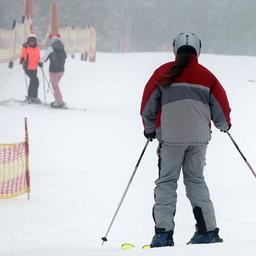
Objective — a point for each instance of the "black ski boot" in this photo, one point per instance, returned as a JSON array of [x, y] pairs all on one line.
[[162, 238], [55, 105], [33, 100], [206, 237]]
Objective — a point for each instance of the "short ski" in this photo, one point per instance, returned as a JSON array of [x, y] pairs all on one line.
[[66, 108], [128, 246], [21, 102], [6, 102]]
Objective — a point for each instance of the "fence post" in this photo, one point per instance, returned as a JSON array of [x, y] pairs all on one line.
[[27, 158], [11, 63]]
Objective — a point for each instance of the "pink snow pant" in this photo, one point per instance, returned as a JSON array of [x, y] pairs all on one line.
[[55, 79]]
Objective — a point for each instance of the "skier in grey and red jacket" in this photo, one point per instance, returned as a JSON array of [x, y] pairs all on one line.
[[179, 102]]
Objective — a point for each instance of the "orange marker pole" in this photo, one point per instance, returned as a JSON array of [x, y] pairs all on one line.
[[54, 20]]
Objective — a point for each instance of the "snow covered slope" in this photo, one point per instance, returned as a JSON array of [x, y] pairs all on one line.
[[81, 162]]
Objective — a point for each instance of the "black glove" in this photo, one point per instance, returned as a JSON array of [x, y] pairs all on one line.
[[227, 129], [150, 135], [40, 64], [21, 60]]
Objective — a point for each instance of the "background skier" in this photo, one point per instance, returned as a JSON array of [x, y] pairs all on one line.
[[30, 56], [57, 56], [179, 102]]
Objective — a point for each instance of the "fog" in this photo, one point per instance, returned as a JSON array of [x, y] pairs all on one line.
[[225, 26]]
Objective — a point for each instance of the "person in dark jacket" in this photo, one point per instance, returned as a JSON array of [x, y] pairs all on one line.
[[29, 58], [57, 56], [179, 102]]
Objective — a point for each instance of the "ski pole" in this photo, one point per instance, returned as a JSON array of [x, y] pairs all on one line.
[[48, 82], [104, 239], [26, 82], [44, 85], [239, 150]]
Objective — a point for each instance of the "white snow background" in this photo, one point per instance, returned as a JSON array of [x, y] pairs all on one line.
[[80, 163]]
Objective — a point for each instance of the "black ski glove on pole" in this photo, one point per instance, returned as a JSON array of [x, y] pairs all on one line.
[[227, 129], [150, 135]]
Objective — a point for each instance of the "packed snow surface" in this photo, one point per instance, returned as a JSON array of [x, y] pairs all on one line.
[[81, 161]]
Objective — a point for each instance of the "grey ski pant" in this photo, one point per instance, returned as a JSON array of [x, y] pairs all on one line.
[[191, 159]]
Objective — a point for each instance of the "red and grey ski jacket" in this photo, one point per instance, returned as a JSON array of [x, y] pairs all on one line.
[[182, 112]]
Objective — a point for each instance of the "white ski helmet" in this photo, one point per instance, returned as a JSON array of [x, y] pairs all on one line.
[[190, 39], [32, 35]]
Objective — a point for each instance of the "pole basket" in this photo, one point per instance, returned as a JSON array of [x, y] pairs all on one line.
[[14, 168]]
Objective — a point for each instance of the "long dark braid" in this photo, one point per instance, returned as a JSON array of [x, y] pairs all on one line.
[[183, 58]]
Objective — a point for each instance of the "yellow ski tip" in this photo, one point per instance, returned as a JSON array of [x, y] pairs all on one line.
[[127, 246], [147, 246]]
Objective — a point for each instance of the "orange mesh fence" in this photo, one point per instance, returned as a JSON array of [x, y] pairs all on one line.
[[75, 39], [11, 41], [79, 40], [14, 173]]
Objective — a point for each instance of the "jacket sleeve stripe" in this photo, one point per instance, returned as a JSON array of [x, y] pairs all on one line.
[[150, 104], [219, 106]]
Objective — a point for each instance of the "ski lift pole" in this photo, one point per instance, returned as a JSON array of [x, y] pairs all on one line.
[[242, 155], [104, 239]]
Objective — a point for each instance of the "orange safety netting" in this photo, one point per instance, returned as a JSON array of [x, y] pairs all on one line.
[[79, 40], [14, 170], [11, 41], [75, 39]]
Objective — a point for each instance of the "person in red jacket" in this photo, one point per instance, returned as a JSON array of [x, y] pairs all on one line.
[[179, 102], [30, 57]]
